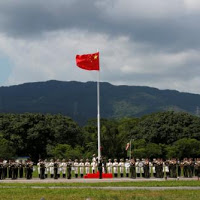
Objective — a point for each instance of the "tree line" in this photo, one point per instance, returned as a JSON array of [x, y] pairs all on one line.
[[165, 135]]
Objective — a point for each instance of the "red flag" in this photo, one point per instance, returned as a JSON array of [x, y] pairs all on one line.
[[88, 61]]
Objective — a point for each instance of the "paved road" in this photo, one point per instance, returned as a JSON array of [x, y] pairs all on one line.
[[79, 180]]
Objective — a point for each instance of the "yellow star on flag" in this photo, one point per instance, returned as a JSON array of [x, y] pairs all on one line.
[[95, 57]]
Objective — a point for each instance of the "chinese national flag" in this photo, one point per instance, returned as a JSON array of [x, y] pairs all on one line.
[[88, 61]]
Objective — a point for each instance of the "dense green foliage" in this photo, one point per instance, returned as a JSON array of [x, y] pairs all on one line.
[[78, 100], [165, 134]]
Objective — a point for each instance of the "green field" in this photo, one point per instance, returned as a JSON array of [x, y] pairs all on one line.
[[59, 194], [34, 191]]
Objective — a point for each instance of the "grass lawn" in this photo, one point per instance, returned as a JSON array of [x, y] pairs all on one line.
[[91, 194], [24, 191]]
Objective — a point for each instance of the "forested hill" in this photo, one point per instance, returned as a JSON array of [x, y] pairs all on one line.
[[78, 100]]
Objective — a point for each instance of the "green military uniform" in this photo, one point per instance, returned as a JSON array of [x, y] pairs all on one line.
[[55, 168], [132, 169], [173, 169], [146, 169], [185, 164], [42, 170], [197, 168], [69, 169], [29, 170]]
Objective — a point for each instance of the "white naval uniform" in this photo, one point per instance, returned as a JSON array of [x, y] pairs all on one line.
[[94, 166], [81, 167], [59, 168], [51, 168], [165, 168], [76, 167], [46, 168], [87, 167], [64, 167], [137, 168], [127, 167], [38, 167], [121, 167], [109, 167], [94, 159], [150, 167], [141, 164], [115, 167]]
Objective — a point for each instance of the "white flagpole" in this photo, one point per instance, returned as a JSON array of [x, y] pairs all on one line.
[[98, 115]]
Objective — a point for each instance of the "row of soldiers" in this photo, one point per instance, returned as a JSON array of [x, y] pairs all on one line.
[[14, 170], [170, 168], [131, 168]]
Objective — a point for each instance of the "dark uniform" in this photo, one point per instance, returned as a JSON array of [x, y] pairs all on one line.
[[197, 168], [9, 169], [55, 168], [173, 168], [21, 169], [69, 169], [191, 168], [179, 168], [159, 169], [4, 170], [13, 170], [1, 170], [146, 169], [132, 168], [100, 169], [42, 170], [185, 165], [29, 170], [104, 165]]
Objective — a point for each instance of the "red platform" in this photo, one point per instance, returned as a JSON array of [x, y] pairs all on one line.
[[96, 175]]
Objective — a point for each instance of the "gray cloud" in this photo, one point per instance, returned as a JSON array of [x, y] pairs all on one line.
[[167, 25], [154, 42]]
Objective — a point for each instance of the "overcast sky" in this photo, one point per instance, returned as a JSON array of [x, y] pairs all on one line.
[[141, 42]]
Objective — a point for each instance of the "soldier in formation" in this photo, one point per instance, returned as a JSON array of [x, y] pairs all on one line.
[[115, 168], [87, 166], [55, 169], [171, 168], [69, 168], [42, 169], [133, 168], [81, 167], [100, 168], [121, 167], [28, 169], [197, 168], [146, 167], [109, 166], [94, 164], [127, 167], [76, 165], [64, 168]]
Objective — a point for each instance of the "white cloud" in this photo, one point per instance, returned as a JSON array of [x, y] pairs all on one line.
[[122, 61], [154, 42], [192, 5]]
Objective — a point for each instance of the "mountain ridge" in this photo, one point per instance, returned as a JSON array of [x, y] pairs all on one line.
[[78, 100]]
